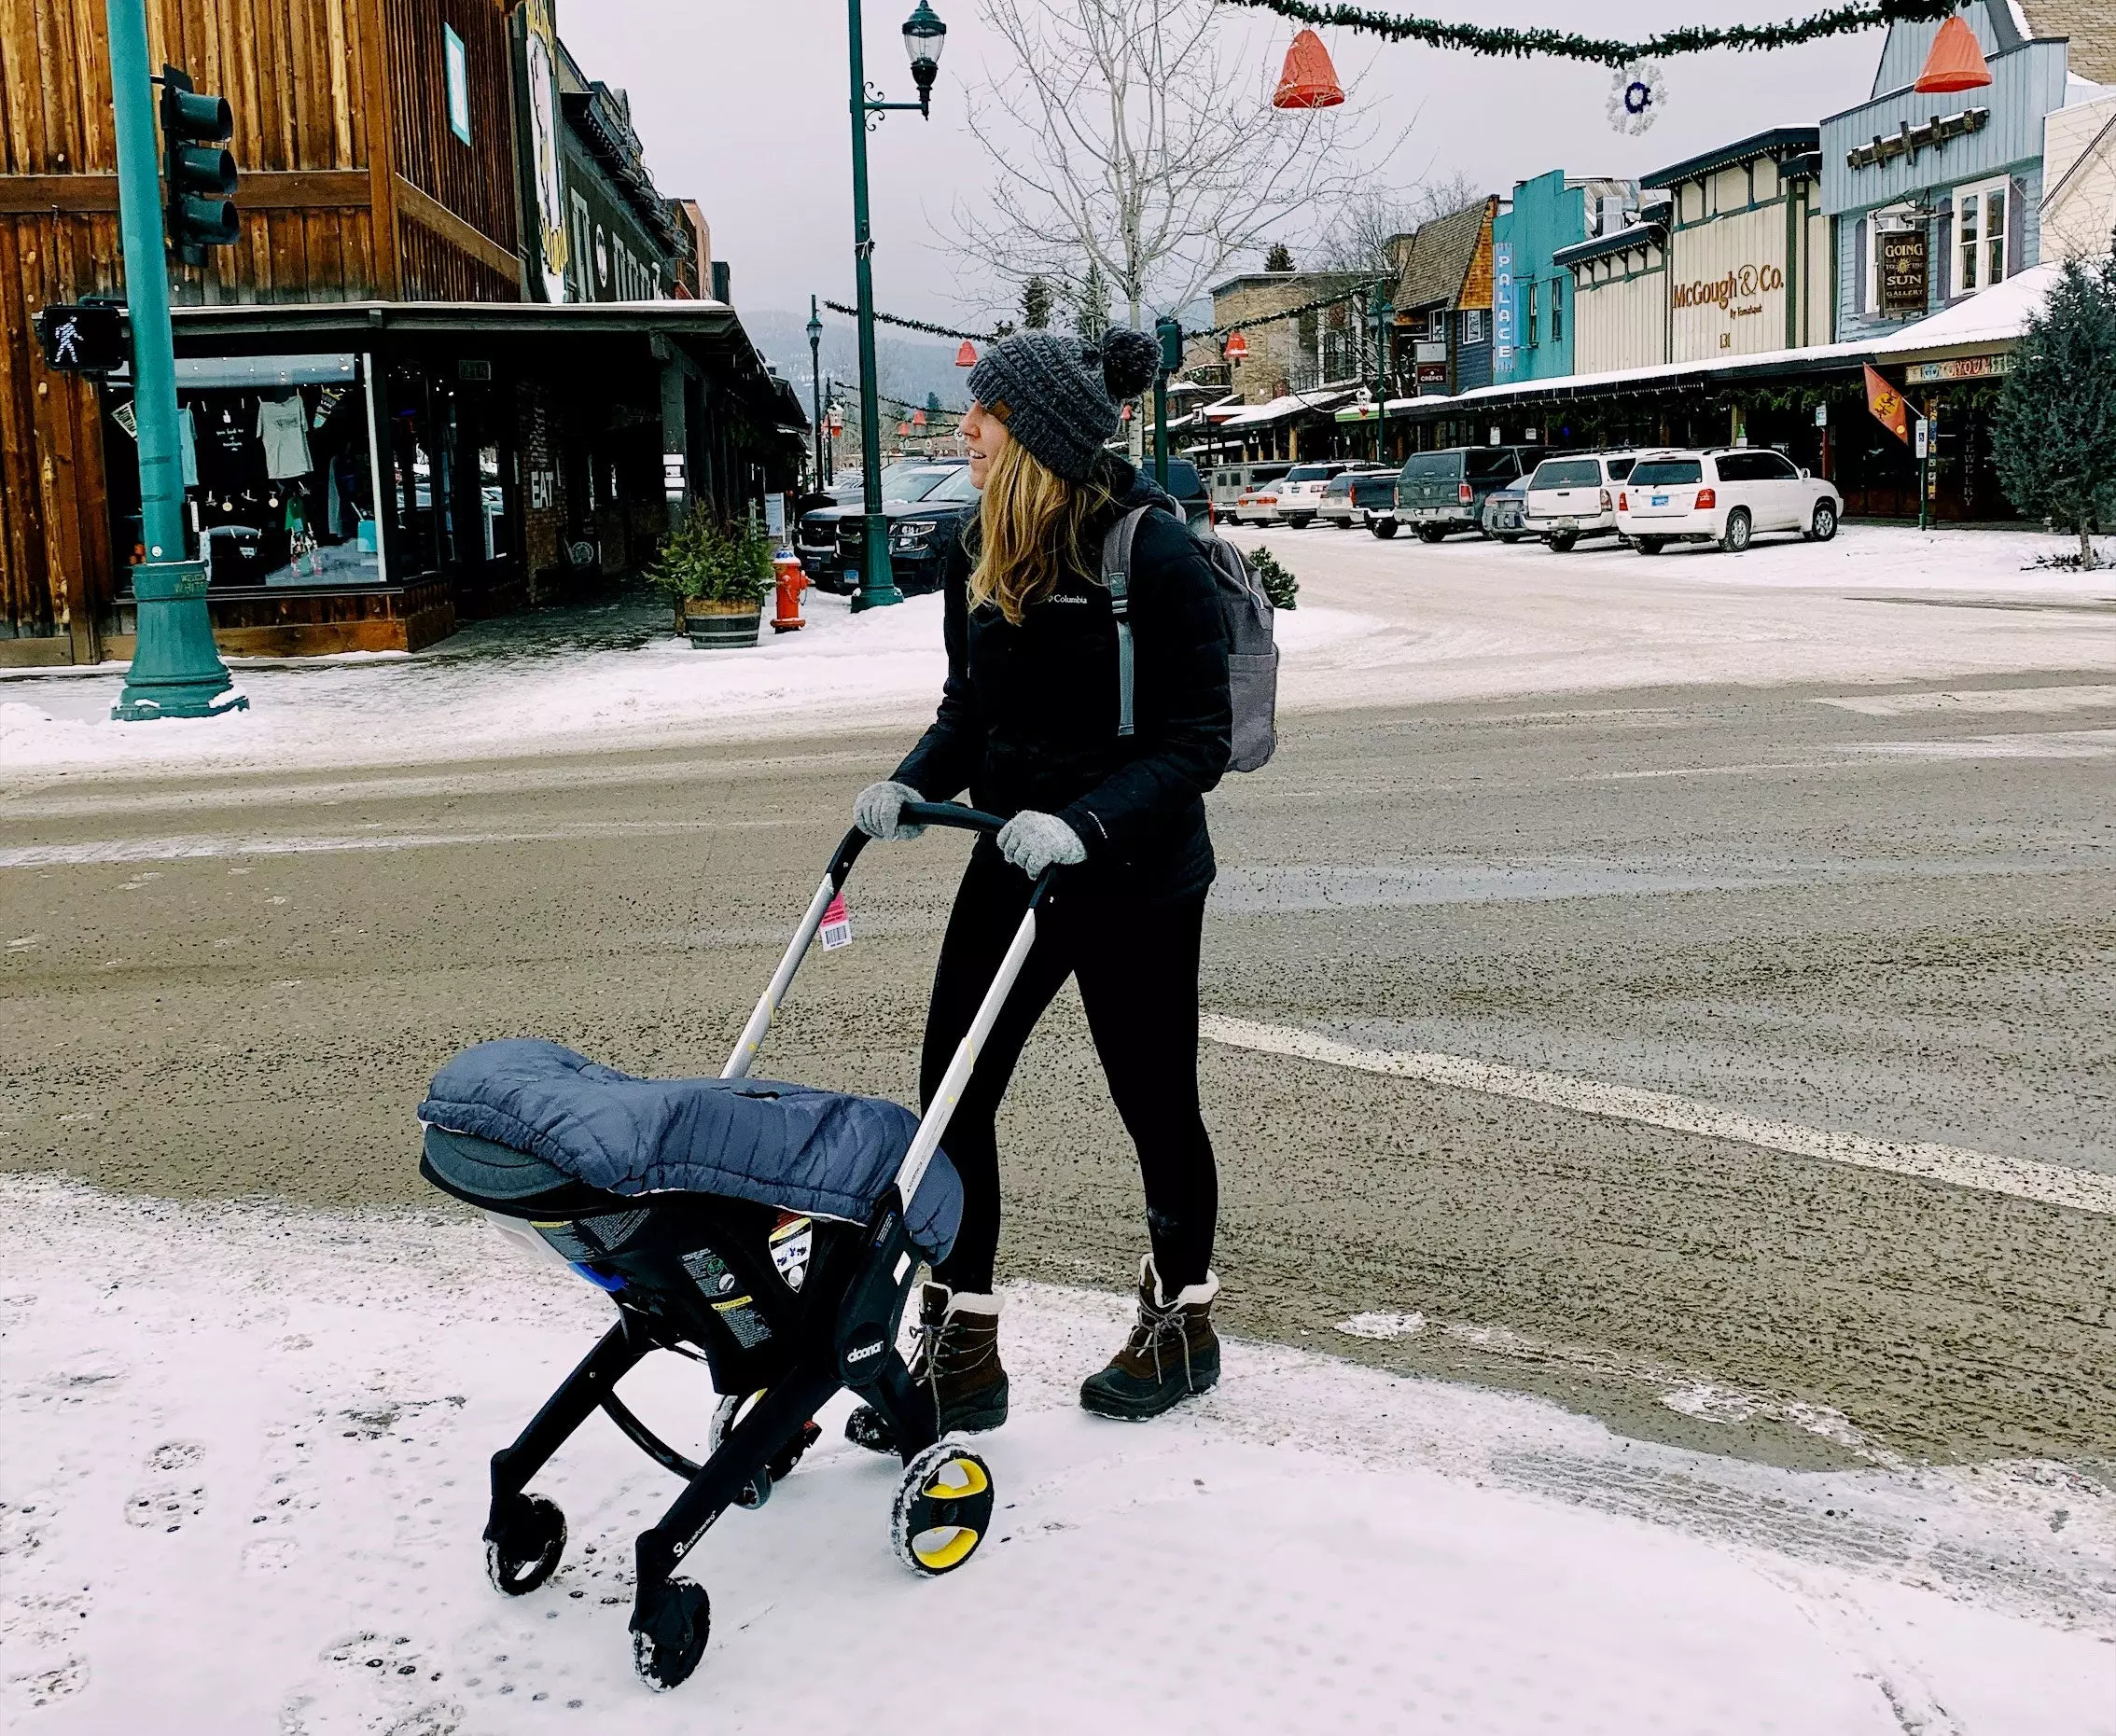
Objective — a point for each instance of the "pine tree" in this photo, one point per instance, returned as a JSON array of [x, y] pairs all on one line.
[[932, 405], [1038, 304], [1280, 258], [2054, 439], [1091, 303]]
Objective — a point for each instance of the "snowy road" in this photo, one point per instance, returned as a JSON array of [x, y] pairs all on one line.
[[1679, 990]]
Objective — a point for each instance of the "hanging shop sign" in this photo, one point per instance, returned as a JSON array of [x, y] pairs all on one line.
[[1958, 367], [1906, 270]]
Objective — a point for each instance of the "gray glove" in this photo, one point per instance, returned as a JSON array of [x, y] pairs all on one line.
[[1033, 841], [875, 809]]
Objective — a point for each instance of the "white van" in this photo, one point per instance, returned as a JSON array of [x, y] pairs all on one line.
[[1576, 497], [1230, 482]]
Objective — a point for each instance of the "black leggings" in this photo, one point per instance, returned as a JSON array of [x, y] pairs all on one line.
[[1137, 967]]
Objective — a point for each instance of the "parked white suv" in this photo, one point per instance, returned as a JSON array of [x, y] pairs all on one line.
[[1724, 497], [1576, 497], [1300, 490]]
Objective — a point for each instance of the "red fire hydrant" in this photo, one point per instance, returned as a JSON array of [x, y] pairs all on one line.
[[792, 582]]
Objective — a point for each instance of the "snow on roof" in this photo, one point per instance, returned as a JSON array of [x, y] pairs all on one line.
[[1253, 415], [1996, 315], [1633, 376]]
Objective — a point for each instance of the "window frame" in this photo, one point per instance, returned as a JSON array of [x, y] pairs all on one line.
[[455, 83], [1472, 324], [1977, 249], [1535, 314], [1557, 309]]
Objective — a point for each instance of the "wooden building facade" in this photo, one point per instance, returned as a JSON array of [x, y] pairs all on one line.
[[355, 488]]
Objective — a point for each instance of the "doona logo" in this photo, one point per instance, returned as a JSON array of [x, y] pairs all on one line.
[[1737, 286], [864, 1351]]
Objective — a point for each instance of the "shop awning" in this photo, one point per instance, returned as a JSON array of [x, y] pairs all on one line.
[[1983, 324], [1663, 376]]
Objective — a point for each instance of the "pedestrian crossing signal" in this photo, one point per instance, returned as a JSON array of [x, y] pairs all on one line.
[[196, 167], [87, 338]]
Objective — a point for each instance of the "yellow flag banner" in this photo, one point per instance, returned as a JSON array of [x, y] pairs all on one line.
[[1887, 406]]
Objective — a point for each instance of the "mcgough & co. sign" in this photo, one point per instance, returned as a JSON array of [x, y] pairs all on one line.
[[1741, 285]]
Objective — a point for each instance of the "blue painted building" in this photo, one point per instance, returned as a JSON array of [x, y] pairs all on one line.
[[1531, 293], [1937, 196]]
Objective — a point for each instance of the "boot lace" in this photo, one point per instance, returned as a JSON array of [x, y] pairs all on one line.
[[1156, 1324], [939, 1339]]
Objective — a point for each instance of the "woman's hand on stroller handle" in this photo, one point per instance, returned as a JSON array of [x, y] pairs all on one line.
[[879, 810]]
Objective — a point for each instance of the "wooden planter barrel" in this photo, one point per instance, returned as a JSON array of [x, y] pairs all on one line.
[[722, 626]]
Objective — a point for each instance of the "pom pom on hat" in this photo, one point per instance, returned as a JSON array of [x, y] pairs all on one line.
[[1129, 360]]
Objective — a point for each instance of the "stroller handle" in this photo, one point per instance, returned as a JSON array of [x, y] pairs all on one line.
[[948, 813], [913, 813]]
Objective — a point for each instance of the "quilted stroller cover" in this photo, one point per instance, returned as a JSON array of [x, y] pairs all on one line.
[[829, 1154]]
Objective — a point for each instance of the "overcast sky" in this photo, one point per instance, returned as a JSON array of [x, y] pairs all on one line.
[[743, 106]]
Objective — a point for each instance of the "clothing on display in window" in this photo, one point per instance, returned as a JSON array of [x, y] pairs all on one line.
[[284, 433], [230, 460]]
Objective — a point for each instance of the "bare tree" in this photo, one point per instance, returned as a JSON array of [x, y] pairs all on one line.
[[1362, 223], [1128, 139]]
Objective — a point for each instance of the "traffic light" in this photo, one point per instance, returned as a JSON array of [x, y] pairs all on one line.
[[198, 168]]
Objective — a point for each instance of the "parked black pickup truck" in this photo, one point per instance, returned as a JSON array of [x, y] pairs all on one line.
[[1440, 492], [920, 533]]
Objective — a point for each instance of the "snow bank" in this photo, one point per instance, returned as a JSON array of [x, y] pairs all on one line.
[[841, 670], [245, 1476]]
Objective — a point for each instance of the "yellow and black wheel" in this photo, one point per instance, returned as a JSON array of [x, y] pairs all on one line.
[[943, 1508]]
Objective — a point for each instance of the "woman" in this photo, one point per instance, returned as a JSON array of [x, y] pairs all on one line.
[[1028, 722]]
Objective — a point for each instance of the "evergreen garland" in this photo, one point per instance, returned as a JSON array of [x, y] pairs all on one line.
[[1565, 45], [918, 325]]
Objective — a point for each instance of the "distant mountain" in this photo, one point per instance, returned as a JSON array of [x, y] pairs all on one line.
[[910, 367]]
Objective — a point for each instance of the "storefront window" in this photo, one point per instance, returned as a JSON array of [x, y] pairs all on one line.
[[278, 467], [1980, 237]]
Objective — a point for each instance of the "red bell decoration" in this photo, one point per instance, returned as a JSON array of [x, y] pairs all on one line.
[[967, 355], [1955, 62], [918, 417], [1237, 346], [1309, 80], [902, 428]]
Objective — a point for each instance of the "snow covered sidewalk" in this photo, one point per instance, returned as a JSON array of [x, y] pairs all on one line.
[[1395, 624], [244, 1481]]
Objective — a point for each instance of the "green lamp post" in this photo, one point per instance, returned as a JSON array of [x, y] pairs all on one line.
[[1378, 304], [924, 36], [176, 669]]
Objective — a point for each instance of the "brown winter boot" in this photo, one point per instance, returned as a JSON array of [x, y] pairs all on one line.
[[1172, 1353], [956, 1363]]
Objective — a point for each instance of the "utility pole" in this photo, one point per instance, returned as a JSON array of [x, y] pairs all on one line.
[[1170, 335], [176, 669]]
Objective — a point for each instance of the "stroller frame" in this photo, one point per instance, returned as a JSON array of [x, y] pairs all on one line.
[[815, 1347]]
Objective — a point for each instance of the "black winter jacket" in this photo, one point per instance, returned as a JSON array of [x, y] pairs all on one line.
[[1028, 717]]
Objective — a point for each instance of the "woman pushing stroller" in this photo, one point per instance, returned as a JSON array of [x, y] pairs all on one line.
[[1028, 722]]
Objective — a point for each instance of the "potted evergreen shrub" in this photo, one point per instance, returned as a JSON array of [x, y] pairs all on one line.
[[719, 576]]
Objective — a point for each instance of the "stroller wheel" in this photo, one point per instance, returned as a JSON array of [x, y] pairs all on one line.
[[669, 1631], [943, 1508], [523, 1541]]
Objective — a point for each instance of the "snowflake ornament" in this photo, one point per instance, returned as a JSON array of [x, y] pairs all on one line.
[[1636, 96]]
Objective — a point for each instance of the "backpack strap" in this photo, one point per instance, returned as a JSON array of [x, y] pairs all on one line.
[[1116, 575]]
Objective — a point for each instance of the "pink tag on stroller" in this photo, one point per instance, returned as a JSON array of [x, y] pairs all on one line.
[[836, 925]]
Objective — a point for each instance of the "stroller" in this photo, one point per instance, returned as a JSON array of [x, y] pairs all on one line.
[[772, 1231]]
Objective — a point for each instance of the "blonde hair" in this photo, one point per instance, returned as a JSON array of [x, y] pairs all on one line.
[[1029, 532]]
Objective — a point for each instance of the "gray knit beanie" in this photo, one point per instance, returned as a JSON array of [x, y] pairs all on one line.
[[1059, 396]]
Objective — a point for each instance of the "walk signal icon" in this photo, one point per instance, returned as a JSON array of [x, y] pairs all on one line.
[[88, 339], [196, 167]]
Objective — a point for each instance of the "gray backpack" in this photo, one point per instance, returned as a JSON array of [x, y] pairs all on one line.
[[1244, 612]]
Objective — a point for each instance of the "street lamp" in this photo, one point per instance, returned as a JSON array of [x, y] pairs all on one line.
[[1378, 306], [924, 36], [815, 380]]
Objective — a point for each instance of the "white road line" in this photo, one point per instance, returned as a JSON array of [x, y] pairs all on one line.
[[122, 850], [2050, 1184], [1979, 699]]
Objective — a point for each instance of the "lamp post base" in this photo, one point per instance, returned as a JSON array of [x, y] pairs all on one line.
[[176, 671], [878, 578]]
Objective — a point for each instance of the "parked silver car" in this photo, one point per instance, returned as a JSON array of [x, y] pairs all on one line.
[[1576, 497]]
